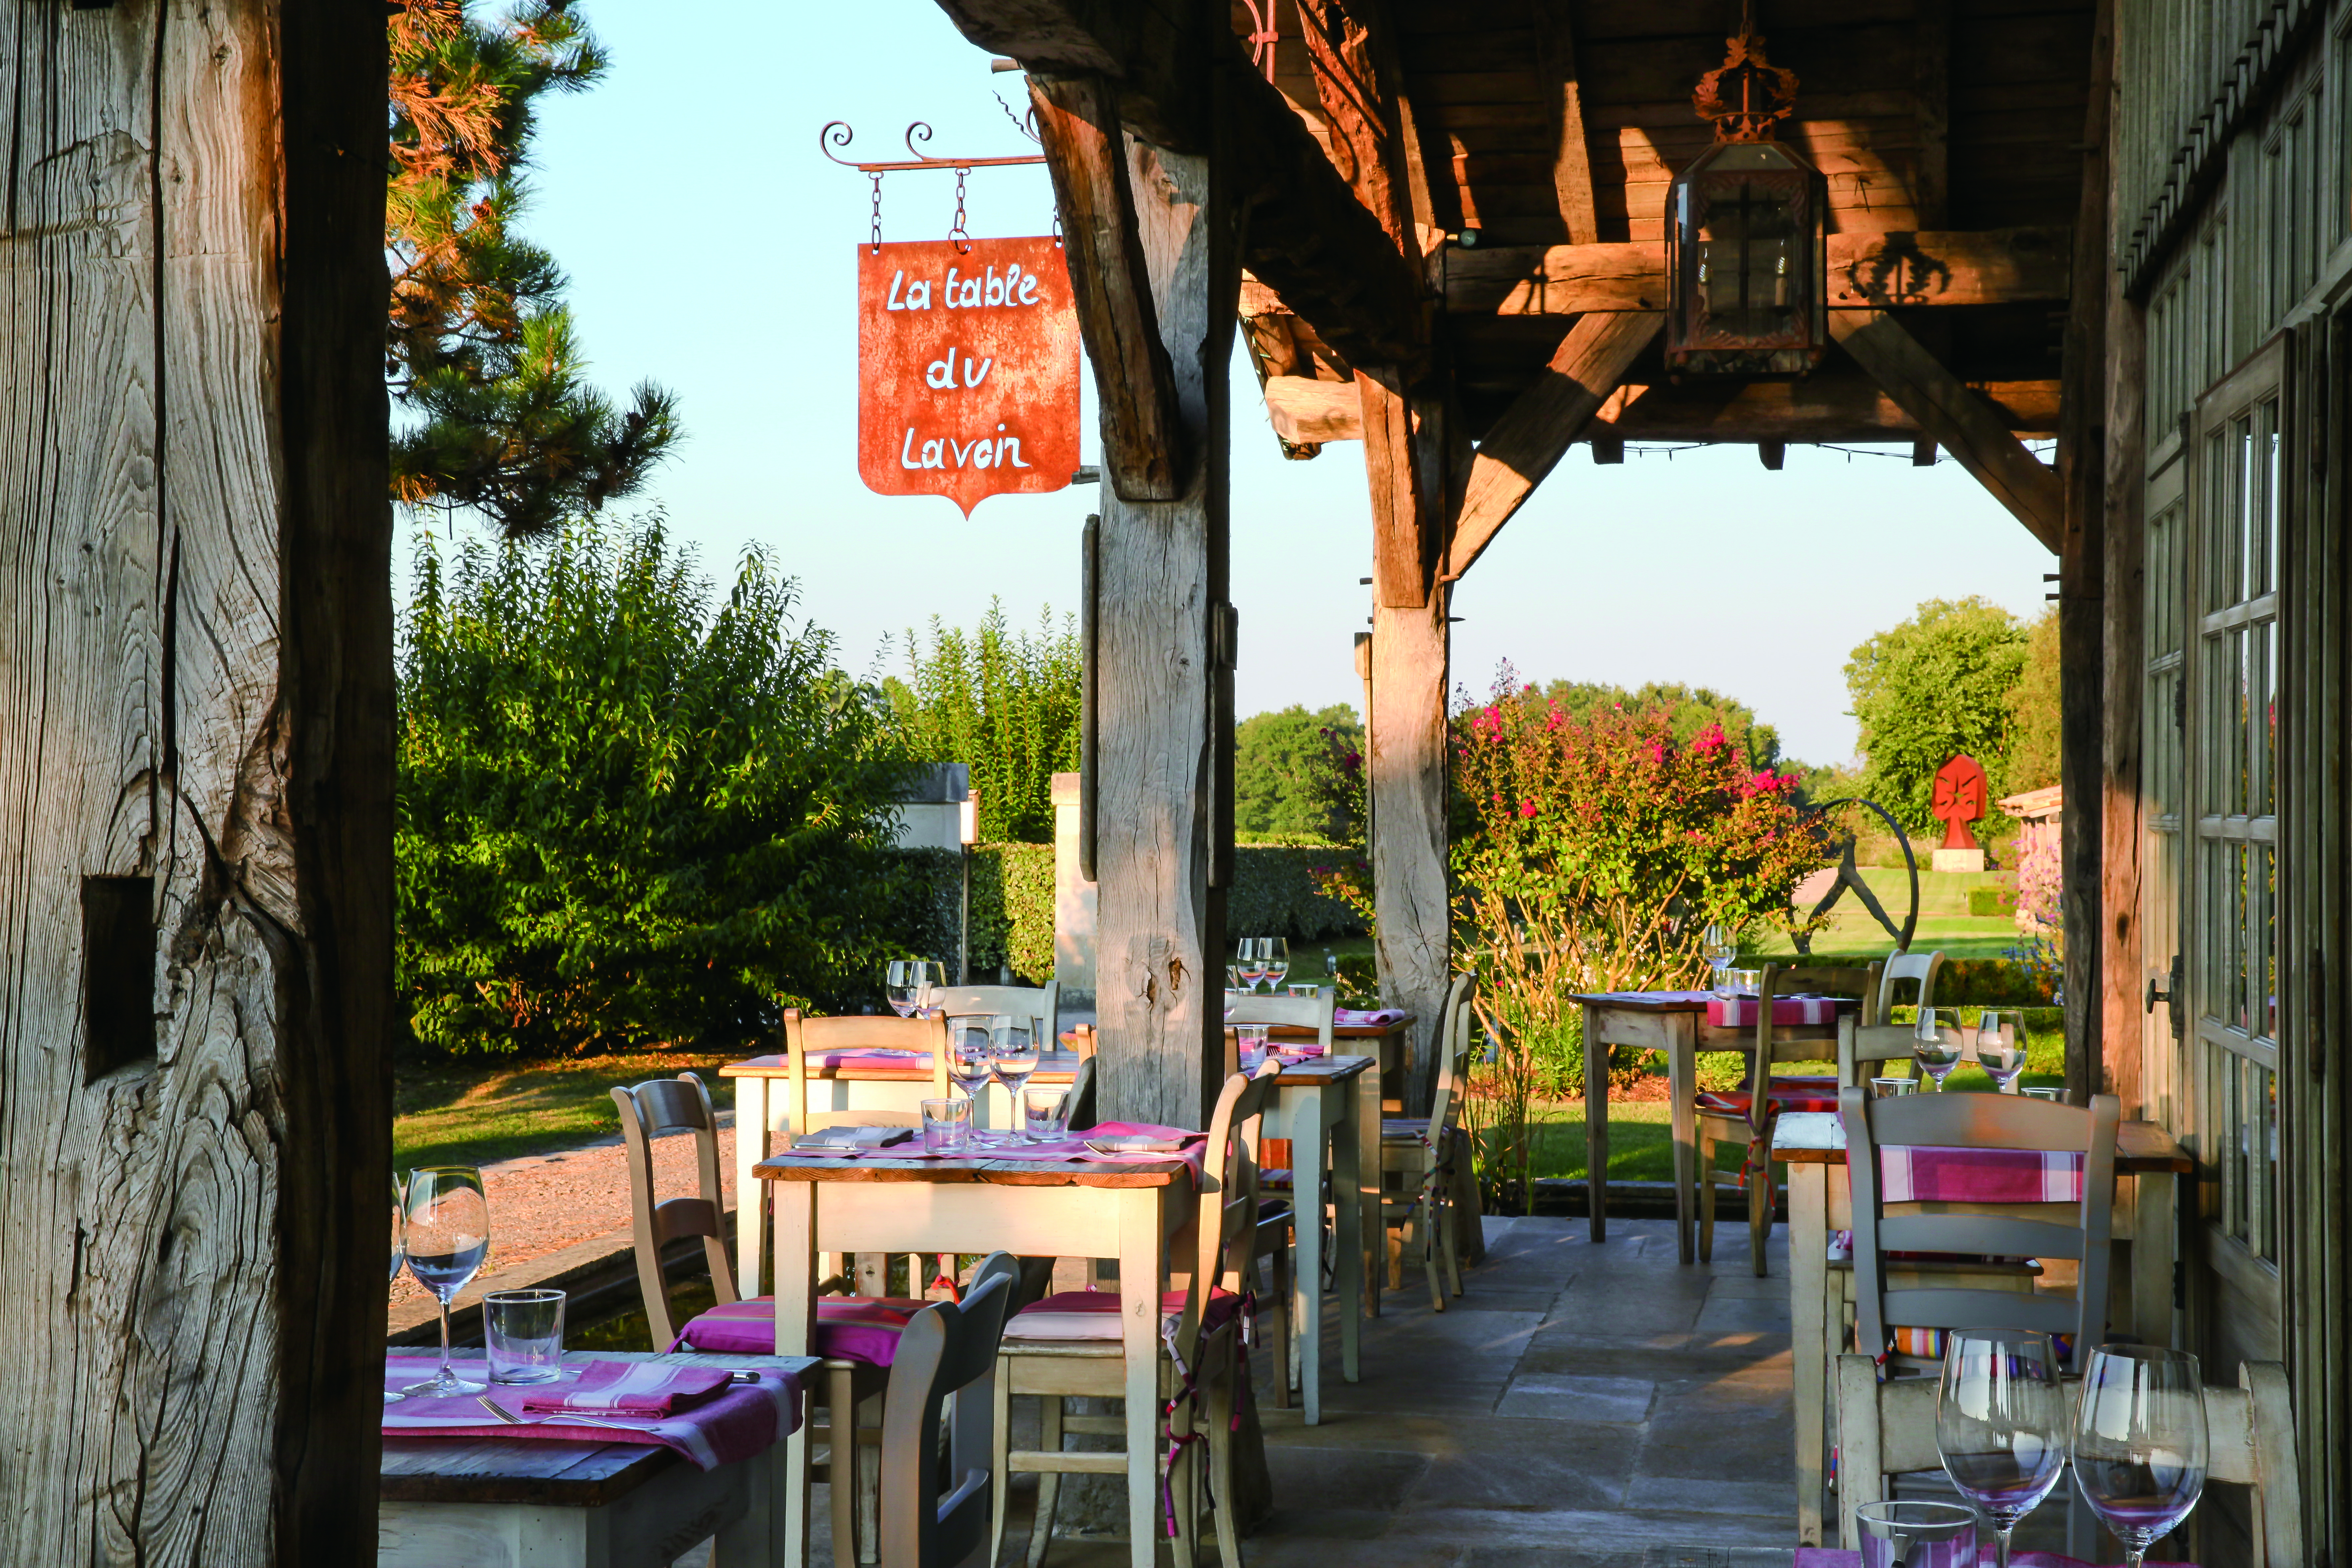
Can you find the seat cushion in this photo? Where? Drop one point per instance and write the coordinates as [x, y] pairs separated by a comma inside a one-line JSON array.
[[848, 1327], [1927, 1345], [1274, 1181], [1094, 1314], [1787, 1094]]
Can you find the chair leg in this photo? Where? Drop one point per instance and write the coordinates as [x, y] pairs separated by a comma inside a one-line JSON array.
[[1221, 1396], [1425, 1223], [1706, 1195], [1000, 1452], [1472, 1235], [1449, 1244], [869, 1481], [1283, 1350], [1049, 1482], [1759, 1202], [842, 1471]]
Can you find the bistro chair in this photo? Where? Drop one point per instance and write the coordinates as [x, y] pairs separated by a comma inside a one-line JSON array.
[[812, 1103], [1015, 1001], [1745, 1116], [1072, 1345], [938, 1425], [856, 1336], [1899, 1305], [1428, 1155], [1861, 1052], [1889, 1430]]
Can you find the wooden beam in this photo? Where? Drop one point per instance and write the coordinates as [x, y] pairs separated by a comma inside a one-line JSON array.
[[2081, 567], [1542, 425], [1995, 267], [1931, 76], [1571, 168], [1306, 411], [1406, 769], [1961, 421], [1923, 454], [2124, 961], [1360, 87], [1773, 455], [1085, 153], [1159, 55]]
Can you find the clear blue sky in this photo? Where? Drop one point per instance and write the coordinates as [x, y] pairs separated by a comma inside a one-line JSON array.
[[711, 248]]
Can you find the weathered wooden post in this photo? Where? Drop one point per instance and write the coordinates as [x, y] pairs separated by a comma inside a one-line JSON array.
[[195, 735]]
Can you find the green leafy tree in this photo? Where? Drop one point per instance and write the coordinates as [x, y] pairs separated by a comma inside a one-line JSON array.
[[1688, 710], [1300, 775], [2033, 710], [496, 411], [1936, 686], [624, 818], [1004, 703]]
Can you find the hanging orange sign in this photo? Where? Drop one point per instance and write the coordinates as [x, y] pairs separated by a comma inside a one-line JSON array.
[[967, 369]]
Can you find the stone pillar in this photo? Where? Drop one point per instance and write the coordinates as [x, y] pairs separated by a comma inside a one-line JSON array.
[[1074, 903]]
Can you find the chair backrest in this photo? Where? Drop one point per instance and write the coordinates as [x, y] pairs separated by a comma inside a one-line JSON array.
[[2079, 1229], [853, 1032], [1453, 1053], [948, 1348], [1225, 1223], [1314, 1011], [1888, 1428], [1857, 980], [1015, 1001], [648, 1109], [1901, 965]]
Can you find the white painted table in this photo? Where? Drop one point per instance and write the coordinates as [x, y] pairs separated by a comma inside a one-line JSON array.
[[1811, 1144], [518, 1502], [981, 1205], [1329, 1110]]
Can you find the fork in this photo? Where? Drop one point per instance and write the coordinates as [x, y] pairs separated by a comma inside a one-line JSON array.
[[511, 1419]]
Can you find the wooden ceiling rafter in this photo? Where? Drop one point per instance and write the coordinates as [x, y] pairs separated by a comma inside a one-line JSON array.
[[1571, 176]]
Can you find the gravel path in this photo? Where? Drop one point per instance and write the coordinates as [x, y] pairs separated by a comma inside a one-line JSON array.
[[545, 1202]]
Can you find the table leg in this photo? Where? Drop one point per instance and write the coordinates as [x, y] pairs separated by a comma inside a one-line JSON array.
[[750, 1541], [750, 1147], [1142, 1264], [2155, 1230], [1353, 1105], [1311, 1138], [1809, 1369], [1371, 1251], [1682, 1086], [1596, 1125], [795, 1269]]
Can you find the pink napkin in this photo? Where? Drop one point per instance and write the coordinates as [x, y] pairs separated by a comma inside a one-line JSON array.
[[1370, 1017], [744, 1419], [872, 1056], [628, 1388], [1740, 1012], [1926, 1173], [1830, 1557]]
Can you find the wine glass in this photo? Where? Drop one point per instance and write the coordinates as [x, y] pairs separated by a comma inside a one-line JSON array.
[[399, 1244], [1937, 1053], [902, 982], [449, 1240], [969, 1042], [2140, 1442], [1013, 1056], [1249, 962], [1719, 947], [1274, 951], [2001, 1054], [2001, 1424]]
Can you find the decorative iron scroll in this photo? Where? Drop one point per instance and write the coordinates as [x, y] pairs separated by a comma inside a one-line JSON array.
[[1849, 876]]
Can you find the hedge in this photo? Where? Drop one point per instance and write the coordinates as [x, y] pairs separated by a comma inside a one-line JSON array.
[[1012, 911]]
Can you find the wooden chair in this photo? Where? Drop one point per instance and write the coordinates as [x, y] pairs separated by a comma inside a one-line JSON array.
[[1201, 1331], [867, 1274], [948, 1350], [1886, 1297], [1860, 1053], [1314, 1013], [1745, 1116], [1426, 1154], [1889, 1430], [1015, 1001]]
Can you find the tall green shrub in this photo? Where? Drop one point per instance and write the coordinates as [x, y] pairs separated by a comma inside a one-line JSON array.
[[1298, 774], [1005, 703], [1936, 686], [625, 818]]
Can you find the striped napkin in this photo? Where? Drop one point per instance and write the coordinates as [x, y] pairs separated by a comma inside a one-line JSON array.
[[648, 1389]]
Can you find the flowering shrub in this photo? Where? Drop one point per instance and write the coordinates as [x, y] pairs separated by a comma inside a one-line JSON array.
[[1589, 854], [2041, 879]]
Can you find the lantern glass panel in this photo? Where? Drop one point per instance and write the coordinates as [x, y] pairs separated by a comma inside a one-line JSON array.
[[1748, 235]]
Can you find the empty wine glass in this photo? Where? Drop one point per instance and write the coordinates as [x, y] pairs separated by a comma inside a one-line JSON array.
[[2140, 1442], [1013, 1056], [907, 982], [970, 1062], [1719, 947], [1937, 1053], [399, 1244], [1275, 952], [2001, 1051], [2001, 1424], [449, 1240]]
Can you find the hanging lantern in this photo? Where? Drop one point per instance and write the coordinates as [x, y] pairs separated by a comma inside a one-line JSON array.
[[1746, 233]]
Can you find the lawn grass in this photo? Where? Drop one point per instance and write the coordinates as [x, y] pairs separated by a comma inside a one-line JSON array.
[[474, 1112], [1945, 923]]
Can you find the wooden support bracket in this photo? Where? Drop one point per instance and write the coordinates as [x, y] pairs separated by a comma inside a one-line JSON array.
[[1086, 152], [1957, 418]]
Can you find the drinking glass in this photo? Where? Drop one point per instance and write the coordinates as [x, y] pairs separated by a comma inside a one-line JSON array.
[[399, 1244], [904, 983], [522, 1335], [1250, 960], [1250, 1046], [2044, 1091], [1045, 1113], [971, 1055], [1893, 1087], [946, 1125], [1234, 994], [2001, 1424], [1012, 1054], [1936, 1054], [1305, 990], [1275, 951], [448, 1241], [1718, 947], [2002, 1056], [2140, 1442], [1917, 1535]]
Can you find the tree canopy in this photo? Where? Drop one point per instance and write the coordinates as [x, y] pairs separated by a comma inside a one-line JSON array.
[[1006, 703], [1687, 711], [1300, 775], [1936, 686], [2033, 710]]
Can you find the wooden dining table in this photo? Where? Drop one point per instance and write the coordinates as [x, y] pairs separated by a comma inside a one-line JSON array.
[[1328, 1110], [1672, 1022], [2150, 1165], [1126, 1211]]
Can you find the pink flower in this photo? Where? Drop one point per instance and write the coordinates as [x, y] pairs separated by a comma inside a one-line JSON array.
[[1657, 750], [1709, 738], [1527, 808]]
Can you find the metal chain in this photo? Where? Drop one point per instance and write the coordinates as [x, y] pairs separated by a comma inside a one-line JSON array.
[[956, 232], [878, 213]]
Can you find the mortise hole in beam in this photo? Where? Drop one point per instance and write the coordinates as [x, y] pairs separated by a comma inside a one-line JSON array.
[[118, 944]]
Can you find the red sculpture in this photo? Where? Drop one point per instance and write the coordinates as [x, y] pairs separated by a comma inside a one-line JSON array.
[[1960, 800]]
